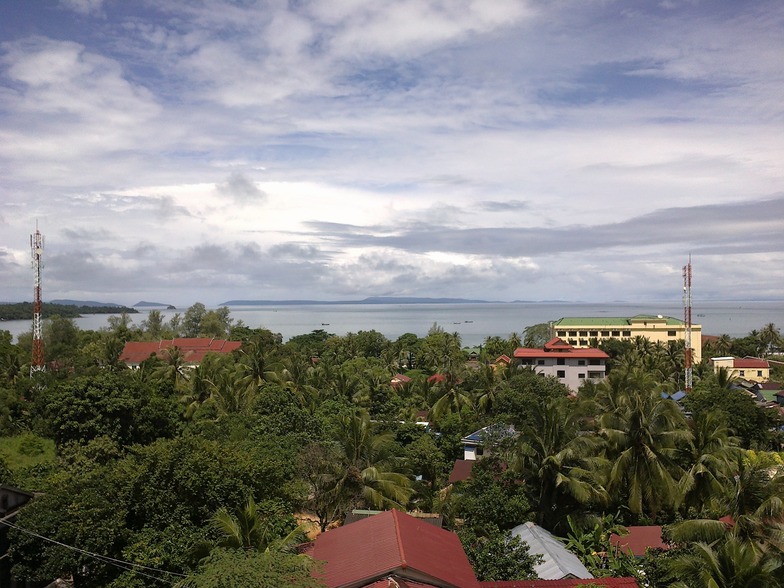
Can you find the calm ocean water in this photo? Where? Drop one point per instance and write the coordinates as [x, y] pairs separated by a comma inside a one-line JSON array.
[[474, 322]]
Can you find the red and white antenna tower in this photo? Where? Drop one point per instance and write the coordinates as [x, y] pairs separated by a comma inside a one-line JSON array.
[[37, 363], [687, 319]]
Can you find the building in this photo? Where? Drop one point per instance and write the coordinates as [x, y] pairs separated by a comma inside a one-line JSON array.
[[395, 550], [558, 563], [751, 369], [571, 365], [586, 331], [193, 349]]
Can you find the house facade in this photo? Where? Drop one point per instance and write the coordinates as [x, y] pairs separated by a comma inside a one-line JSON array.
[[583, 332], [571, 365], [751, 369]]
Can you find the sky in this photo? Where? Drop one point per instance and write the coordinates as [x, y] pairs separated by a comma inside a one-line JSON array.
[[214, 150]]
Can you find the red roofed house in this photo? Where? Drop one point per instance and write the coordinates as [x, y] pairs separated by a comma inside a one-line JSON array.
[[639, 539], [571, 365], [393, 545], [752, 369], [395, 550], [193, 349]]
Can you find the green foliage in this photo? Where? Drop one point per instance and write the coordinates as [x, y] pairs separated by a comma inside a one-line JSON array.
[[747, 421], [26, 450], [498, 556], [107, 404], [493, 498], [24, 310], [592, 545], [536, 336], [232, 568]]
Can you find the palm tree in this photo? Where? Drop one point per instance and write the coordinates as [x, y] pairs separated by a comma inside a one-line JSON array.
[[770, 339], [453, 400], [250, 528], [711, 455], [727, 564], [643, 433], [560, 464], [371, 473]]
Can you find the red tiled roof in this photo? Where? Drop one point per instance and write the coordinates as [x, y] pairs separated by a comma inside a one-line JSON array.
[[639, 539], [436, 379], [503, 359], [398, 582], [570, 583], [392, 543], [461, 470], [192, 349], [400, 379], [557, 347], [750, 363]]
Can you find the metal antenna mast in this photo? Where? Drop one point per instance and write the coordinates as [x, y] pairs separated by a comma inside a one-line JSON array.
[[37, 363], [687, 319]]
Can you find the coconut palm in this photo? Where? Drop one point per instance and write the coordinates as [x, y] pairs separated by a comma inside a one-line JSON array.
[[250, 528], [730, 563], [372, 471], [711, 454], [643, 433], [560, 464]]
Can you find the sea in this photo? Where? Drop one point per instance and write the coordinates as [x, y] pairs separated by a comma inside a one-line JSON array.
[[474, 322]]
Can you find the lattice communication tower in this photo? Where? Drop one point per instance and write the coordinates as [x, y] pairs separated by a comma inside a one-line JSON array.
[[687, 319], [37, 363]]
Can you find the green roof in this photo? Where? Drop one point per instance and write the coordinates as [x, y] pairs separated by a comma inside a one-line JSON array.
[[609, 321]]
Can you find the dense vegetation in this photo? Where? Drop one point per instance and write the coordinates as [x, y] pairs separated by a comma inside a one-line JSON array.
[[20, 311], [206, 475]]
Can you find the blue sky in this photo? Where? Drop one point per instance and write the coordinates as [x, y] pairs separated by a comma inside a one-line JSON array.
[[497, 149]]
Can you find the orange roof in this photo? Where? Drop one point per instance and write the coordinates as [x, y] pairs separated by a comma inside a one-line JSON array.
[[639, 539], [461, 471], [750, 363], [193, 349], [556, 347], [392, 544]]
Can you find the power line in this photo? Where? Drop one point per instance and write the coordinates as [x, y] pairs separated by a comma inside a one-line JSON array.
[[124, 565]]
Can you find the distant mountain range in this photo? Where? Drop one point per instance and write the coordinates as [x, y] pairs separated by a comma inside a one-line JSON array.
[[370, 300], [93, 303]]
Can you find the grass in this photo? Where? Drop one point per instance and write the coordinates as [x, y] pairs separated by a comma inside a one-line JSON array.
[[26, 450]]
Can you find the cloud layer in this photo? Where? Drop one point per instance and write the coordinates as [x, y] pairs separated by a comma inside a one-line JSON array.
[[483, 149]]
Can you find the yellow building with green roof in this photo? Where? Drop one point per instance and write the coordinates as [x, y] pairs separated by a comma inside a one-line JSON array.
[[587, 331]]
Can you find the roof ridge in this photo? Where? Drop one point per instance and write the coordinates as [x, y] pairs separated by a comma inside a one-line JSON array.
[[399, 538]]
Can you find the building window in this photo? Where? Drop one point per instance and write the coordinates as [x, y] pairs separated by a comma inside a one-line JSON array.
[[759, 373], [560, 333], [572, 333], [594, 362], [539, 362], [671, 333], [594, 333], [581, 376], [561, 361], [594, 375], [580, 362], [742, 372], [627, 333], [616, 333], [583, 342], [572, 341], [605, 333], [583, 333], [561, 373]]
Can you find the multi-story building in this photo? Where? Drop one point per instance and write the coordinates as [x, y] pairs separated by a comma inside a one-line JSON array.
[[752, 369], [583, 332], [572, 366]]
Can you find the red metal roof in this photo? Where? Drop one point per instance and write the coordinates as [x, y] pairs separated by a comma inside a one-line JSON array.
[[639, 539], [192, 349], [392, 543], [586, 353], [750, 363], [609, 582], [461, 470]]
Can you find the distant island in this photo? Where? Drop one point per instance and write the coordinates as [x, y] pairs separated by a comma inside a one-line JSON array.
[[19, 311], [369, 300], [145, 304]]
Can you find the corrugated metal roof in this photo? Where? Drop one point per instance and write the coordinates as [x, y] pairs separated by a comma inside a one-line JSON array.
[[570, 583], [558, 562], [610, 321], [193, 349], [639, 539]]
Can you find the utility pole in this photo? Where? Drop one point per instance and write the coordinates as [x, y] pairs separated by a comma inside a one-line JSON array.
[[37, 363], [687, 319]]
